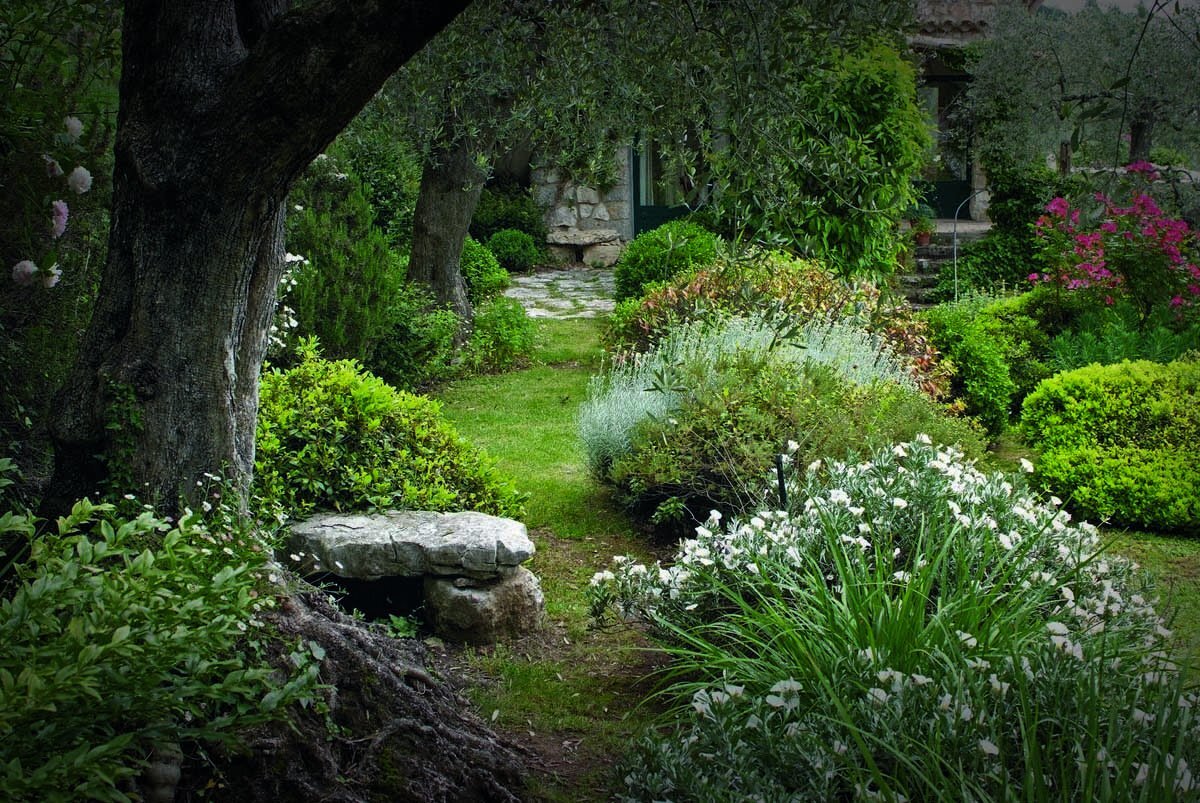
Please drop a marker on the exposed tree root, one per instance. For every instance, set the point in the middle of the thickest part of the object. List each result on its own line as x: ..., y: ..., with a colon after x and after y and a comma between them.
x: 392, y: 732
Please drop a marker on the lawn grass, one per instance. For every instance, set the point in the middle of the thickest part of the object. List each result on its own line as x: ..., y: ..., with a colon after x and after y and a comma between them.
x: 572, y: 692
x: 1174, y: 562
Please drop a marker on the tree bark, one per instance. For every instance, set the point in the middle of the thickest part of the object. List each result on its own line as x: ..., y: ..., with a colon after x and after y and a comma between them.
x: 1141, y: 129
x: 451, y: 184
x: 400, y: 735
x: 222, y: 104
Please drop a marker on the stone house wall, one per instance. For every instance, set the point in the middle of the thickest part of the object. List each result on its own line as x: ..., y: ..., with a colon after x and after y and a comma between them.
x: 586, y: 224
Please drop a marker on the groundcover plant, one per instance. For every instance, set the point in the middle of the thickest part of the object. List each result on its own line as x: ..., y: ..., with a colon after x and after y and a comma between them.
x: 910, y: 629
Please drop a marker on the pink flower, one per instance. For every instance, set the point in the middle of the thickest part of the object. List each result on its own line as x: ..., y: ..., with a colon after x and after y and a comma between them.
x: 1033, y: 277
x: 1177, y: 301
x: 1109, y: 226
x: 80, y: 180
x: 1145, y: 168
x: 23, y: 272
x: 1058, y: 207
x: 58, y: 222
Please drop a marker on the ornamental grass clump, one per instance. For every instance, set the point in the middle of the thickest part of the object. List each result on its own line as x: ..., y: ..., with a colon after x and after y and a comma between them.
x: 911, y: 629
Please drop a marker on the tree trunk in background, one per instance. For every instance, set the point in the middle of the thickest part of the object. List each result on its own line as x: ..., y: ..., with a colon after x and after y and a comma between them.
x: 451, y: 184
x: 1064, y: 158
x: 222, y: 105
x: 1141, y: 130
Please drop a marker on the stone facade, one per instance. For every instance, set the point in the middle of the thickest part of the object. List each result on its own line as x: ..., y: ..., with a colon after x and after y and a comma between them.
x: 586, y: 224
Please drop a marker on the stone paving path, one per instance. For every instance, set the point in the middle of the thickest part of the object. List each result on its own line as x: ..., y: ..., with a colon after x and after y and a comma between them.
x: 575, y: 291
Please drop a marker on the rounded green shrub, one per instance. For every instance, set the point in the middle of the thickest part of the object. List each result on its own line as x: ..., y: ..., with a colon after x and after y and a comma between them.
x: 502, y: 337
x: 481, y: 271
x: 1157, y: 489
x: 1119, y: 441
x: 514, y: 250
x: 331, y: 436
x: 1132, y: 404
x: 508, y: 207
x: 419, y: 349
x: 659, y: 254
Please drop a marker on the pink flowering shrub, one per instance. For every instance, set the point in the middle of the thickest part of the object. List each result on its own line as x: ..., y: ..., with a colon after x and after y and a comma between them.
x: 1135, y: 252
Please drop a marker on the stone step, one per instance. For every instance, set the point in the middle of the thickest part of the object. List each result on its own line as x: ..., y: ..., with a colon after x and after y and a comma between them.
x: 918, y: 279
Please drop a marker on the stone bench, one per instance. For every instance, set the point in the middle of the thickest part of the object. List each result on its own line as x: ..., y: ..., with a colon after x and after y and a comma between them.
x: 590, y: 246
x: 475, y: 589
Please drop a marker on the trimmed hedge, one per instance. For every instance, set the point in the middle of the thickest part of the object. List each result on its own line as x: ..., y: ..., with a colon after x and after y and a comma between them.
x: 332, y: 436
x: 659, y: 254
x: 1120, y: 441
x: 514, y: 250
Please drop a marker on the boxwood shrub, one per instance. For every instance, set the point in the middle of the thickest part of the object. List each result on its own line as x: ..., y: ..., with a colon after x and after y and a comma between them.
x: 482, y: 272
x: 514, y: 250
x: 661, y: 253
x: 332, y: 436
x: 1119, y: 441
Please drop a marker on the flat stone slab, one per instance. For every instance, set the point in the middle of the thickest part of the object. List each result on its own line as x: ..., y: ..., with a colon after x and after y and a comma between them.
x: 410, y: 543
x: 582, y: 236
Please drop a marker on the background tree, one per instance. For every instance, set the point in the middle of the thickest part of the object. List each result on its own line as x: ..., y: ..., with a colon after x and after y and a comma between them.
x: 1111, y: 81
x: 221, y: 106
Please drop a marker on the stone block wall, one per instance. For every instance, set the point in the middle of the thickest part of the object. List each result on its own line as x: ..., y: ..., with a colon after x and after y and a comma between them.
x: 573, y: 210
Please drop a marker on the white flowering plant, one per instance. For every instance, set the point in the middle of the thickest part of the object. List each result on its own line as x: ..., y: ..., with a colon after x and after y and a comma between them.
x: 912, y: 629
x: 120, y: 633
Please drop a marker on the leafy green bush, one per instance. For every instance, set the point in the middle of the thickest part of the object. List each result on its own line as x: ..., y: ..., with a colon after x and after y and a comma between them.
x: 126, y: 635
x: 695, y: 423
x: 514, y: 250
x: 508, y: 207
x: 334, y: 437
x: 1157, y: 489
x: 502, y: 337
x: 343, y: 293
x: 1120, y: 441
x: 909, y: 626
x: 1135, y: 404
x: 783, y: 286
x: 982, y: 378
x: 659, y: 254
x: 482, y: 272
x: 388, y: 167
x: 418, y: 350
x: 1111, y: 334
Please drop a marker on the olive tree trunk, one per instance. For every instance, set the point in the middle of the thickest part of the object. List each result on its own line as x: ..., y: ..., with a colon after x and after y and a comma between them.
x: 222, y: 104
x: 451, y: 183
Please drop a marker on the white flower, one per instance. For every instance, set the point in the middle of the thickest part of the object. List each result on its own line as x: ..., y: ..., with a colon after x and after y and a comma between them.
x: 52, y: 276
x: 792, y: 447
x: 923, y: 438
x: 787, y: 686
x: 1026, y: 466
x: 920, y: 680
x: 899, y: 503
x: 967, y: 638
x: 53, y: 168
x: 1057, y: 628
x: 80, y: 180
x: 814, y: 466
x: 945, y: 701
x: 877, y: 695
x: 988, y: 748
x: 74, y: 127
x: 899, y: 450
x: 23, y: 272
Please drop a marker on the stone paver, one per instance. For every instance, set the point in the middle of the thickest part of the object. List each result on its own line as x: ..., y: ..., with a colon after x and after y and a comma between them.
x: 571, y: 292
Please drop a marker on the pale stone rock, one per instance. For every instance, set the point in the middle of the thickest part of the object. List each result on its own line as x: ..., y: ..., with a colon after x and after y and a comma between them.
x: 584, y: 211
x: 578, y: 237
x: 487, y: 611
x: 600, y: 212
x: 605, y: 254
x: 587, y: 195
x: 564, y: 216
x: 410, y: 543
